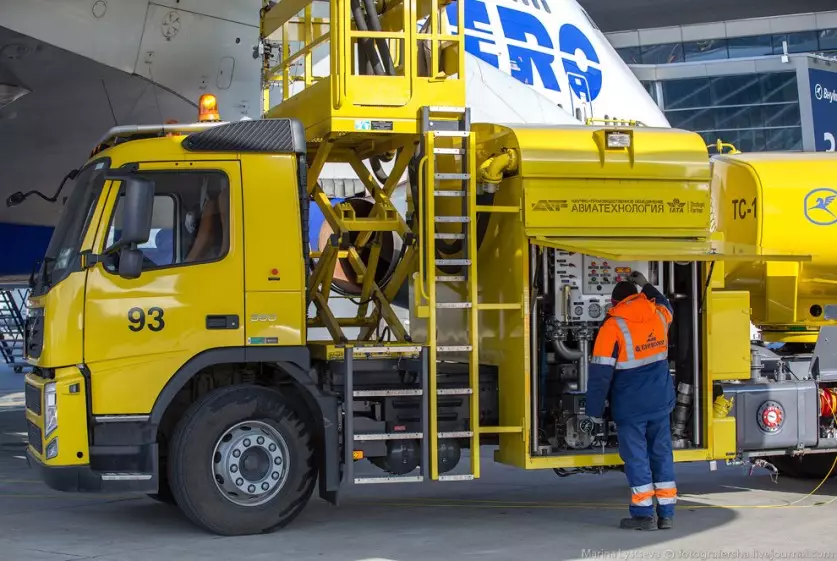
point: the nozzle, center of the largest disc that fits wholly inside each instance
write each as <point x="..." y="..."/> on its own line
<point x="15" y="199"/>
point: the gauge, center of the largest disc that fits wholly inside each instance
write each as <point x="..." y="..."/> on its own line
<point x="607" y="308"/>
<point x="595" y="311"/>
<point x="579" y="310"/>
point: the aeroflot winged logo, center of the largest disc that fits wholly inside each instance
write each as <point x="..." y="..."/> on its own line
<point x="821" y="206"/>
<point x="527" y="37"/>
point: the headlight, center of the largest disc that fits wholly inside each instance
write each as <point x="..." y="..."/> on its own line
<point x="51" y="405"/>
<point x="52" y="449"/>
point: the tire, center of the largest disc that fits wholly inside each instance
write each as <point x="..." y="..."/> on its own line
<point x="200" y="450"/>
<point x="811" y="466"/>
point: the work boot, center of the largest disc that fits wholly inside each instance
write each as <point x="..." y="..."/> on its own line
<point x="637" y="523"/>
<point x="665" y="523"/>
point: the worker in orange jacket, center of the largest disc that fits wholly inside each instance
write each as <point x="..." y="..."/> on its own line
<point x="630" y="369"/>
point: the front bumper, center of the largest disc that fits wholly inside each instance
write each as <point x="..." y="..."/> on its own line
<point x="83" y="479"/>
<point x="65" y="478"/>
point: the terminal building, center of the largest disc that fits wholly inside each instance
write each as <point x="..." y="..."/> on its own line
<point x="761" y="83"/>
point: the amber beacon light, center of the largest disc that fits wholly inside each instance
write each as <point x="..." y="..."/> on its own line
<point x="208" y="108"/>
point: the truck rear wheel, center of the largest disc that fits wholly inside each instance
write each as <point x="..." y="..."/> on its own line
<point x="810" y="466"/>
<point x="241" y="461"/>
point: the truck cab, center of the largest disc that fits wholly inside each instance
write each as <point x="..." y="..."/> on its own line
<point x="145" y="283"/>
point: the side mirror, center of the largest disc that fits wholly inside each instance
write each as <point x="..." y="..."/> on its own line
<point x="137" y="213"/>
<point x="138" y="206"/>
<point x="130" y="263"/>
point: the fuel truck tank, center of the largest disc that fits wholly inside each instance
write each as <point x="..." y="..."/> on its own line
<point x="787" y="203"/>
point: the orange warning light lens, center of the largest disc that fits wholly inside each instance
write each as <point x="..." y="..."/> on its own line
<point x="208" y="108"/>
<point x="357" y="454"/>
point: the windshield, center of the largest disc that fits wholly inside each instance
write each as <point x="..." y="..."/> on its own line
<point x="63" y="250"/>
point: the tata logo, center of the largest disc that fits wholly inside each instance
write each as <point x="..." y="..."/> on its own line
<point x="824" y="94"/>
<point x="531" y="47"/>
<point x="549" y="205"/>
<point x="820" y="207"/>
<point x="676" y="206"/>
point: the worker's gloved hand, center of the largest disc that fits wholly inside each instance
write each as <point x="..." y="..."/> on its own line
<point x="638" y="279"/>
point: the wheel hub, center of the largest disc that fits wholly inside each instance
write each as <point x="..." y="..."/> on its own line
<point x="250" y="463"/>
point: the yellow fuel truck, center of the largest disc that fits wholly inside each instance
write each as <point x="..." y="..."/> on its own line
<point x="198" y="334"/>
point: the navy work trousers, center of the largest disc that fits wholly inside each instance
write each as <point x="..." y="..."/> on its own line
<point x="645" y="447"/>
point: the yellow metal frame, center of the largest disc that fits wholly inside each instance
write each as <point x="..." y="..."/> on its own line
<point x="349" y="117"/>
<point x="348" y="102"/>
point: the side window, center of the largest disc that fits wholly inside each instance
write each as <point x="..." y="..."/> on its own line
<point x="159" y="249"/>
<point x="190" y="220"/>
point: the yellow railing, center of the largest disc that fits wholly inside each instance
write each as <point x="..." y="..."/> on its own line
<point x="300" y="34"/>
<point x="291" y="26"/>
<point x="720" y="145"/>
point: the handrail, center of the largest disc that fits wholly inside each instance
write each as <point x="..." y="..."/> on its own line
<point x="422" y="264"/>
<point x="299" y="35"/>
<point x="720" y="145"/>
<point x="302" y="52"/>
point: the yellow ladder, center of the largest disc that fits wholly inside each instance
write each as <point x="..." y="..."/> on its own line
<point x="450" y="258"/>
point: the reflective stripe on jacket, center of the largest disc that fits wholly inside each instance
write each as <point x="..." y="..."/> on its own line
<point x="630" y="360"/>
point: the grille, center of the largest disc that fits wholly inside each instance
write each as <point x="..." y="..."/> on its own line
<point x="35" y="438"/>
<point x="33" y="399"/>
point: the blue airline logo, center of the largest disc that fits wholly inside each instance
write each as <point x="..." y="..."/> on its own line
<point x="820" y="207"/>
<point x="518" y="28"/>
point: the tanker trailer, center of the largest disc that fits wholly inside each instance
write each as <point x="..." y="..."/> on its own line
<point x="785" y="202"/>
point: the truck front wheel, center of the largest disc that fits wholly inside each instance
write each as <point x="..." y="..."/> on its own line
<point x="241" y="461"/>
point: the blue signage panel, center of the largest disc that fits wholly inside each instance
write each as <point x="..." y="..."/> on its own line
<point x="824" y="104"/>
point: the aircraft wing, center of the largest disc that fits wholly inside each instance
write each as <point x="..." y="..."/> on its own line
<point x="189" y="47"/>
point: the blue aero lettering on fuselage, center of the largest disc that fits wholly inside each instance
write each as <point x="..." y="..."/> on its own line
<point x="518" y="25"/>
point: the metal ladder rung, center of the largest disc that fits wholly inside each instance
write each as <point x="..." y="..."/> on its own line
<point x="453" y="219"/>
<point x="465" y="477"/>
<point x="454" y="391"/>
<point x="456" y="434"/>
<point x="454" y="348"/>
<point x="386" y="393"/>
<point x="459" y="134"/>
<point x="365" y="437"/>
<point x="445" y="109"/>
<point x="390" y="350"/>
<point x="458" y="262"/>
<point x="449" y="193"/>
<point x="392" y="479"/>
<point x="443" y="236"/>
<point x="450" y="278"/>
<point x="449" y="151"/>
<point x="454" y="305"/>
<point x="452" y="176"/>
